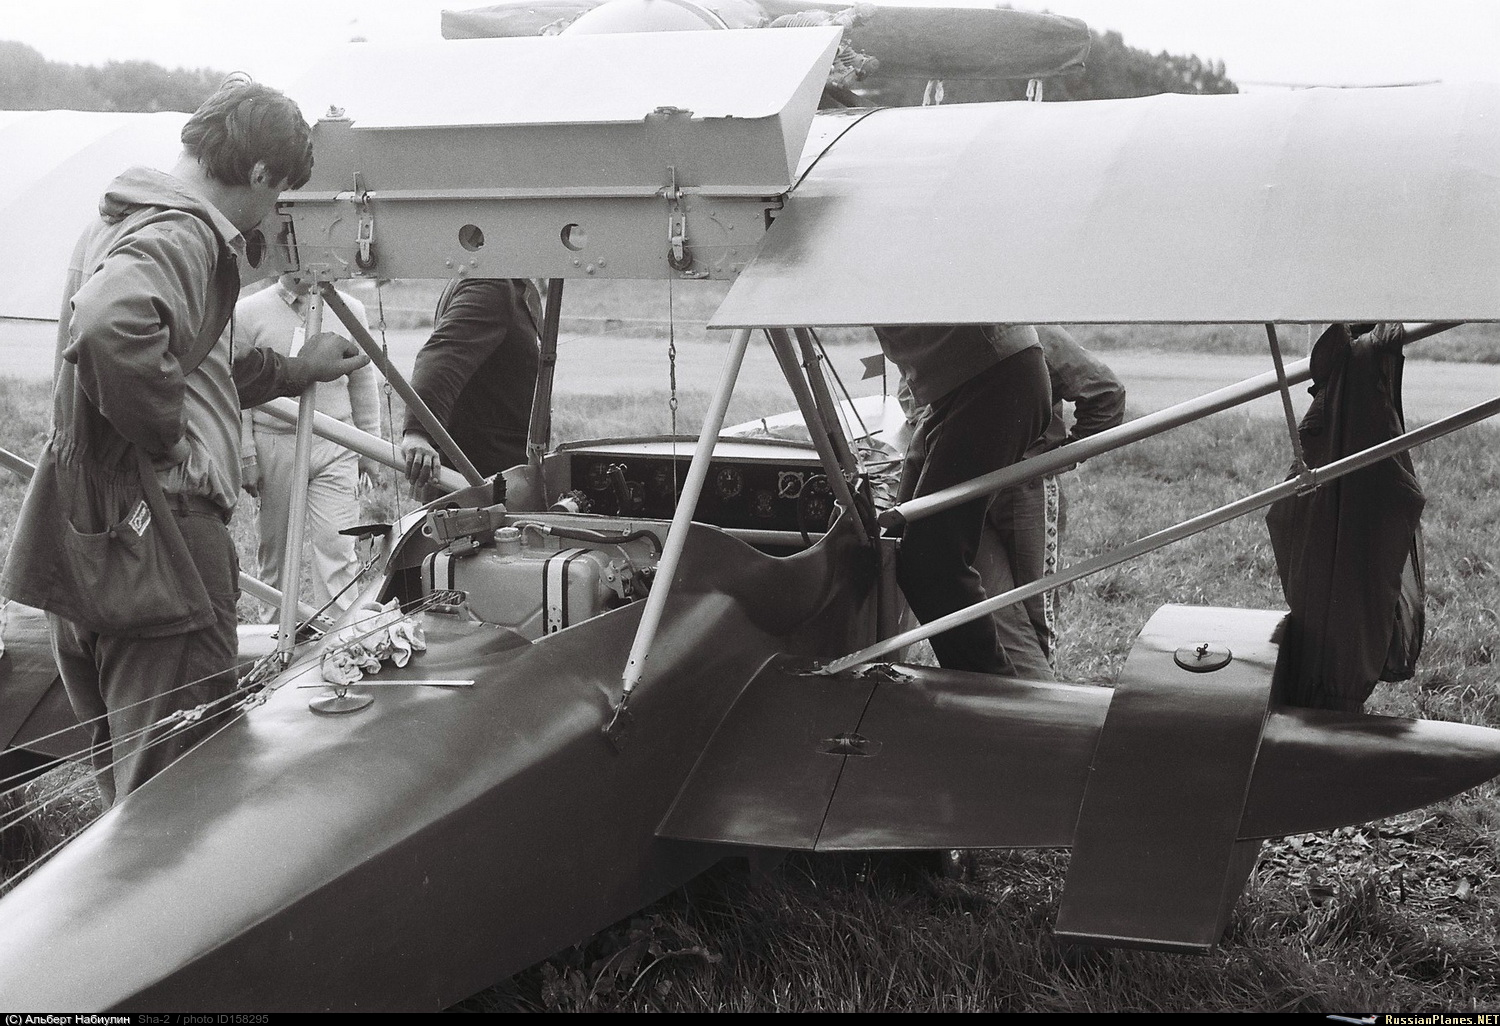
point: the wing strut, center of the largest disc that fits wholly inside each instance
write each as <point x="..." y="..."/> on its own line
<point x="291" y="555"/>
<point x="1299" y="465"/>
<point x="539" y="436"/>
<point x="682" y="519"/>
<point x="355" y="440"/>
<point x="817" y="426"/>
<point x="1316" y="477"/>
<point x="1116" y="438"/>
<point x="414" y="403"/>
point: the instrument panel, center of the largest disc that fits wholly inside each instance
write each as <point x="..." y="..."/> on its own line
<point x="786" y="491"/>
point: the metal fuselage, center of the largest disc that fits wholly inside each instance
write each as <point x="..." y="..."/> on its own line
<point x="407" y="855"/>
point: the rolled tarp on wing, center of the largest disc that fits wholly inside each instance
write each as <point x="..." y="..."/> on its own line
<point x="54" y="166"/>
<point x="1315" y="205"/>
<point x="909" y="42"/>
<point x="519" y="18"/>
<point x="968" y="42"/>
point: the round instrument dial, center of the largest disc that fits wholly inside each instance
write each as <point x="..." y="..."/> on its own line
<point x="637" y="500"/>
<point x="815" y="505"/>
<point x="728" y="483"/>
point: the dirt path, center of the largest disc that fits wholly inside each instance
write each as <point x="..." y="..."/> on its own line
<point x="607" y="364"/>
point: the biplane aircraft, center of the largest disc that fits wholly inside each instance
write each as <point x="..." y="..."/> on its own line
<point x="639" y="662"/>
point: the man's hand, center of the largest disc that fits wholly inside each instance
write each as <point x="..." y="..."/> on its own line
<point x="327" y="356"/>
<point x="250" y="476"/>
<point x="421" y="460"/>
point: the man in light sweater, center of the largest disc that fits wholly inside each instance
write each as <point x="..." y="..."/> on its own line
<point x="272" y="318"/>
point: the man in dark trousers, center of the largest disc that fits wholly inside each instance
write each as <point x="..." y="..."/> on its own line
<point x="123" y="535"/>
<point x="477" y="374"/>
<point x="988" y="399"/>
<point x="1023" y="533"/>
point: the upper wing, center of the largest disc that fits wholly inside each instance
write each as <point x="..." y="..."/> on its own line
<point x="1315" y="205"/>
<point x="54" y="166"/>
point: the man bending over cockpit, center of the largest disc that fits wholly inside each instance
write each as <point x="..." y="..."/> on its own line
<point x="988" y="398"/>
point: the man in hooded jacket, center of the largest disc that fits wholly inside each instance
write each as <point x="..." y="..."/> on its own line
<point x="123" y="535"/>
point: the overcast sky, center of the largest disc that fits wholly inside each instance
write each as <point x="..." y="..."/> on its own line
<point x="1332" y="42"/>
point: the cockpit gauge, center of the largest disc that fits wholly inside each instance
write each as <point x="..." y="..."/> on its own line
<point x="763" y="504"/>
<point x="815" y="505"/>
<point x="637" y="500"/>
<point x="728" y="483"/>
<point x="663" y="485"/>
<point x="598" y="477"/>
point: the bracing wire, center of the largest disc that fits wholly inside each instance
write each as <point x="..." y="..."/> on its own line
<point x="839" y="381"/>
<point x="207" y="678"/>
<point x="294" y="668"/>
<point x="237" y="700"/>
<point x="41" y="803"/>
<point x="672" y="379"/>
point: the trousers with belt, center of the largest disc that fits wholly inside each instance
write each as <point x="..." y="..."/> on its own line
<point x="122" y="688"/>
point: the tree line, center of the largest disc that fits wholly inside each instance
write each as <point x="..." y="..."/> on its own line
<point x="28" y="81"/>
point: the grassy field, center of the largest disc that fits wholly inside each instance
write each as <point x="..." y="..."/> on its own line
<point x="640" y="306"/>
<point x="1401" y="915"/>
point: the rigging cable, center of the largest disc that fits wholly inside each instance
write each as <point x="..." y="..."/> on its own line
<point x="238" y="700"/>
<point x="239" y="692"/>
<point x="848" y="399"/>
<point x="672" y="381"/>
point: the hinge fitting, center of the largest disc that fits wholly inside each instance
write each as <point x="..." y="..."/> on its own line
<point x="677" y="254"/>
<point x="364" y="236"/>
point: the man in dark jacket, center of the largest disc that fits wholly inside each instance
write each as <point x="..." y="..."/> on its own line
<point x="1350" y="552"/>
<point x="122" y="537"/>
<point x="477" y="374"/>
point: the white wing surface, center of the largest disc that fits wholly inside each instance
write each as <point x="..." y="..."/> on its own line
<point x="1316" y="205"/>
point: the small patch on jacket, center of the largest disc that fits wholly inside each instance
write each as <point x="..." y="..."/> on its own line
<point x="140" y="518"/>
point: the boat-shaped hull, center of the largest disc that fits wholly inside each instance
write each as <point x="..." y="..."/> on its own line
<point x="411" y="854"/>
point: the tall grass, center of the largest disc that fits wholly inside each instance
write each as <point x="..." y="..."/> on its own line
<point x="1397" y="915"/>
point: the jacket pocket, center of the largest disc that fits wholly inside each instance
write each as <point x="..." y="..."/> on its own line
<point x="126" y="579"/>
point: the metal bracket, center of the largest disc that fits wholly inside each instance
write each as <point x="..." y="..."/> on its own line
<point x="889" y="672"/>
<point x="850" y="743"/>
<point x="364" y="236"/>
<point x="616" y="731"/>
<point x="448" y="525"/>
<point x="883" y="671"/>
<point x="1305" y="478"/>
<point x="677" y="255"/>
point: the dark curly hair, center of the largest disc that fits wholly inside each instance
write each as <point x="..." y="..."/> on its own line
<point x="245" y="122"/>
